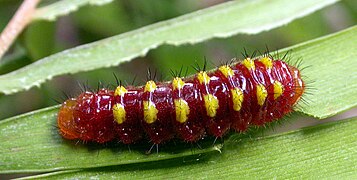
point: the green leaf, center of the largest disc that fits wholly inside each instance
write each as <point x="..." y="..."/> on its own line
<point x="319" y="152"/>
<point x="330" y="73"/>
<point x="47" y="151"/>
<point x="106" y="20"/>
<point x="53" y="11"/>
<point x="222" y="20"/>
<point x="14" y="60"/>
<point x="39" y="39"/>
<point x="31" y="143"/>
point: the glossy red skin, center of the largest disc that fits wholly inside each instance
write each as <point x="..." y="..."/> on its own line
<point x="130" y="131"/>
<point x="194" y="128"/>
<point x="162" y="129"/>
<point x="220" y="124"/>
<point x="94" y="119"/>
<point x="240" y="120"/>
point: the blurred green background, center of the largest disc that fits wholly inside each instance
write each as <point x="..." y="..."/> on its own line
<point x="91" y="23"/>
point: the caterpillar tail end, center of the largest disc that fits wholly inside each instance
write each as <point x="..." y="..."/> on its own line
<point x="65" y="120"/>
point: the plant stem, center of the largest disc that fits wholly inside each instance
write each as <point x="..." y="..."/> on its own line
<point x="18" y="22"/>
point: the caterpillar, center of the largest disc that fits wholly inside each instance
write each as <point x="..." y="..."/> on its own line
<point x="235" y="97"/>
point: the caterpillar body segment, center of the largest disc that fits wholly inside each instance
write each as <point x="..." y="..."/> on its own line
<point x="249" y="93"/>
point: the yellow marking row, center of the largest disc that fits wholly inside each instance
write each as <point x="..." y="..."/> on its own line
<point x="150" y="86"/>
<point x="119" y="113"/>
<point x="182" y="109"/>
<point x="262" y="94"/>
<point x="226" y="71"/>
<point x="278" y="89"/>
<point x="150" y="112"/>
<point x="261" y="91"/>
<point x="211" y="101"/>
<point x="237" y="97"/>
<point x="211" y="104"/>
<point x="249" y="64"/>
<point x="120" y="91"/>
<point x="236" y="93"/>
<point x="177" y="83"/>
<point x="267" y="62"/>
<point x="203" y="78"/>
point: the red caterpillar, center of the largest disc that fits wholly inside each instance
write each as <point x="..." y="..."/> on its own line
<point x="252" y="92"/>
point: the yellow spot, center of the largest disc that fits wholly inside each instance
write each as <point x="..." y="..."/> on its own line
<point x="211" y="104"/>
<point x="237" y="97"/>
<point x="177" y="83"/>
<point x="226" y="71"/>
<point x="203" y="78"/>
<point x="182" y="110"/>
<point x="249" y="64"/>
<point x="278" y="89"/>
<point x="120" y="91"/>
<point x="267" y="62"/>
<point x="119" y="113"/>
<point x="150" y="112"/>
<point x="261" y="94"/>
<point x="150" y="86"/>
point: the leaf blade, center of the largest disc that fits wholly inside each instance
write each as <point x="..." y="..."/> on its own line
<point x="322" y="151"/>
<point x="53" y="11"/>
<point x="42" y="131"/>
<point x="48" y="151"/>
<point x="331" y="69"/>
<point x="219" y="21"/>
